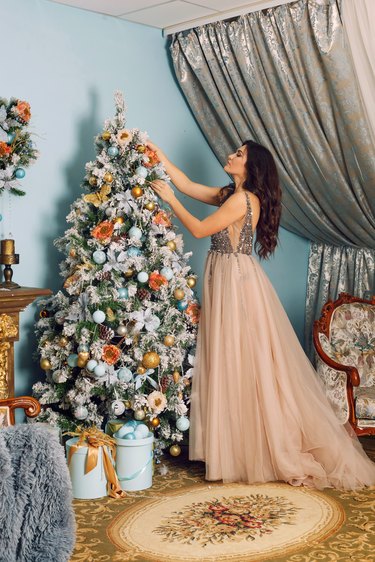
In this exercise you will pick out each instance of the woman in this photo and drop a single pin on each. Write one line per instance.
(258, 409)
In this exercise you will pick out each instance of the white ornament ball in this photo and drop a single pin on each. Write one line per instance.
(99, 257)
(108, 212)
(98, 316)
(141, 431)
(117, 407)
(125, 374)
(167, 273)
(81, 413)
(182, 423)
(124, 430)
(121, 330)
(82, 347)
(135, 232)
(99, 370)
(91, 365)
(142, 277)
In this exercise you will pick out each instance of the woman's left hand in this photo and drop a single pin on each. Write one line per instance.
(162, 190)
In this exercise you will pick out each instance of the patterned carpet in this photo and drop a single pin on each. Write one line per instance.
(183, 518)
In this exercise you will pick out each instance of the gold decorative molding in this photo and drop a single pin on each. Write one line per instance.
(8, 329)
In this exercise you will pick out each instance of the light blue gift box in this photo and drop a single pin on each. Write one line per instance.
(86, 486)
(134, 463)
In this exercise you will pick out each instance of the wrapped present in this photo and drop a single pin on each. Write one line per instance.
(134, 460)
(91, 454)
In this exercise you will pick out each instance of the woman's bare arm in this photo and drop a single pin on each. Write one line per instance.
(184, 184)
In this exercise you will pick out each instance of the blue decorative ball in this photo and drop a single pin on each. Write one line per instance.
(183, 423)
(99, 370)
(182, 305)
(11, 137)
(20, 173)
(83, 347)
(167, 273)
(98, 316)
(91, 365)
(142, 172)
(124, 430)
(99, 257)
(112, 151)
(135, 232)
(123, 293)
(72, 360)
(129, 435)
(142, 277)
(125, 375)
(133, 252)
(131, 423)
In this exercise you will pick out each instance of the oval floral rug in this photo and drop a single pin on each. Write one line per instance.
(233, 522)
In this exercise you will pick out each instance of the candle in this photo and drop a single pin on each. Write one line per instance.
(7, 247)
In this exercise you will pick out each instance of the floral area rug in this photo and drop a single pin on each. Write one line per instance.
(183, 518)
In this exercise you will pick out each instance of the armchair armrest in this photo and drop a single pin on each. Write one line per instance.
(30, 405)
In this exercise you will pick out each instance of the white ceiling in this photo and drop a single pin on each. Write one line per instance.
(172, 15)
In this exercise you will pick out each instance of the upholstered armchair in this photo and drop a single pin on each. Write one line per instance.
(29, 404)
(344, 340)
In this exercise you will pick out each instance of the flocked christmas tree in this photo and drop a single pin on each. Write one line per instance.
(119, 339)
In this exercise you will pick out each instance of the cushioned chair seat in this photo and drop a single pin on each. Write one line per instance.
(365, 402)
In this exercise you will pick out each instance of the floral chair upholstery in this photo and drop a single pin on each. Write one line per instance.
(344, 340)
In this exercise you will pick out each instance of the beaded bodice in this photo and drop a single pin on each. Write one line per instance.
(221, 242)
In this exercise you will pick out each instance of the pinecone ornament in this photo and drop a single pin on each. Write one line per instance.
(164, 383)
(105, 332)
(103, 276)
(143, 294)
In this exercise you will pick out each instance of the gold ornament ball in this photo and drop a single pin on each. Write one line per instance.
(45, 364)
(72, 252)
(176, 376)
(141, 370)
(108, 178)
(121, 330)
(141, 148)
(128, 404)
(175, 450)
(171, 245)
(179, 294)
(186, 382)
(151, 360)
(129, 273)
(169, 341)
(137, 191)
(180, 395)
(81, 363)
(84, 355)
(191, 281)
(106, 135)
(155, 422)
(139, 414)
(93, 181)
(111, 316)
(150, 205)
(63, 341)
(119, 220)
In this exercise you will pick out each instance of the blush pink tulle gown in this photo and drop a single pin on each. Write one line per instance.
(258, 410)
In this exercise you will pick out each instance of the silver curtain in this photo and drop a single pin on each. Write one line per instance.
(284, 77)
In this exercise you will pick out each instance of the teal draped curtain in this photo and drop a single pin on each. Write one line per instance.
(284, 77)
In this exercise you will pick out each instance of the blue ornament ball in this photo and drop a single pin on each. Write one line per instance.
(20, 173)
(91, 365)
(133, 252)
(124, 430)
(131, 423)
(167, 273)
(98, 316)
(82, 347)
(182, 305)
(129, 435)
(182, 423)
(123, 293)
(99, 257)
(125, 375)
(112, 151)
(99, 370)
(142, 277)
(135, 232)
(72, 360)
(142, 172)
(11, 137)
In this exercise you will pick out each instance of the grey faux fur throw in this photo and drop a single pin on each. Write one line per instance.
(36, 516)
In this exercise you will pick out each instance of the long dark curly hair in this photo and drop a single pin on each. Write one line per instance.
(262, 179)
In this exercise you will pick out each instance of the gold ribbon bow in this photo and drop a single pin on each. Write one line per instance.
(93, 438)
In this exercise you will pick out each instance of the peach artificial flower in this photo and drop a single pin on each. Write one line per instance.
(156, 280)
(103, 231)
(152, 158)
(4, 149)
(162, 219)
(157, 401)
(124, 137)
(193, 310)
(23, 110)
(111, 354)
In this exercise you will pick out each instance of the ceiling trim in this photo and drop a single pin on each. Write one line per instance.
(220, 16)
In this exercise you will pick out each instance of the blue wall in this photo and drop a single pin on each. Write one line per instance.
(67, 64)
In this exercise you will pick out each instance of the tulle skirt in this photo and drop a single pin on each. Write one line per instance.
(258, 409)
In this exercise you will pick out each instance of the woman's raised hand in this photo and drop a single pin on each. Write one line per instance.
(162, 190)
(160, 154)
